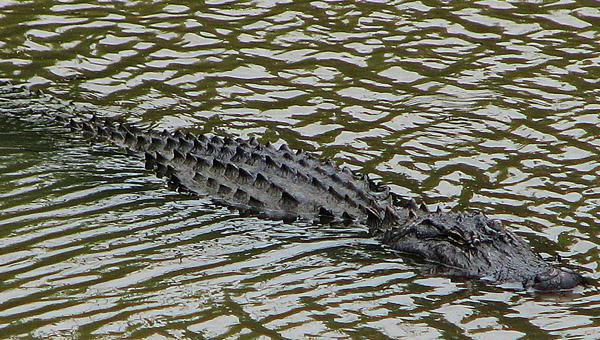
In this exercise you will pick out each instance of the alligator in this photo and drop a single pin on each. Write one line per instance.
(279, 183)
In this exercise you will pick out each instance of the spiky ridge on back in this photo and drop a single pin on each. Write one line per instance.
(254, 178)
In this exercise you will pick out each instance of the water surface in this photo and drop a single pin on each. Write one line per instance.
(486, 105)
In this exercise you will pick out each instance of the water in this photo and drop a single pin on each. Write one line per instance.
(487, 105)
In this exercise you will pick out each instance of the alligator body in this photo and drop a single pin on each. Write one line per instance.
(278, 183)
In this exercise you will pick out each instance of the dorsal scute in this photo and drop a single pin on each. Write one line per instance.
(250, 175)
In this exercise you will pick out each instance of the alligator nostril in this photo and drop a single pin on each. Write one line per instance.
(557, 279)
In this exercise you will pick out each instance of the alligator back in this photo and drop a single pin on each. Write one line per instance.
(252, 177)
(258, 179)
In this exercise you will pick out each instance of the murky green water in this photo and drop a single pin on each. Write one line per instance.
(489, 105)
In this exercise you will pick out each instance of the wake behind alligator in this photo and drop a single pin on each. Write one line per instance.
(278, 183)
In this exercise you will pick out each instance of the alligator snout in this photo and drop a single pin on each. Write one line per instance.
(557, 279)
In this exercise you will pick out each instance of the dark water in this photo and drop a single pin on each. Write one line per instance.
(488, 105)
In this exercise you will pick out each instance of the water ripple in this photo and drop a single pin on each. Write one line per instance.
(489, 105)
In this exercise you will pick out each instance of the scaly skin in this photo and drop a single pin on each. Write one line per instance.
(279, 183)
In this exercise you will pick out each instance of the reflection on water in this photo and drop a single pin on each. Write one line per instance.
(490, 105)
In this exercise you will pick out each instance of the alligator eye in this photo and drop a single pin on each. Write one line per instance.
(495, 225)
(438, 226)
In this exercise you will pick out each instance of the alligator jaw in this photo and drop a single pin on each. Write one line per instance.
(471, 245)
(557, 279)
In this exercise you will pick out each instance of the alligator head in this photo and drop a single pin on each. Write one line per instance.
(471, 245)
